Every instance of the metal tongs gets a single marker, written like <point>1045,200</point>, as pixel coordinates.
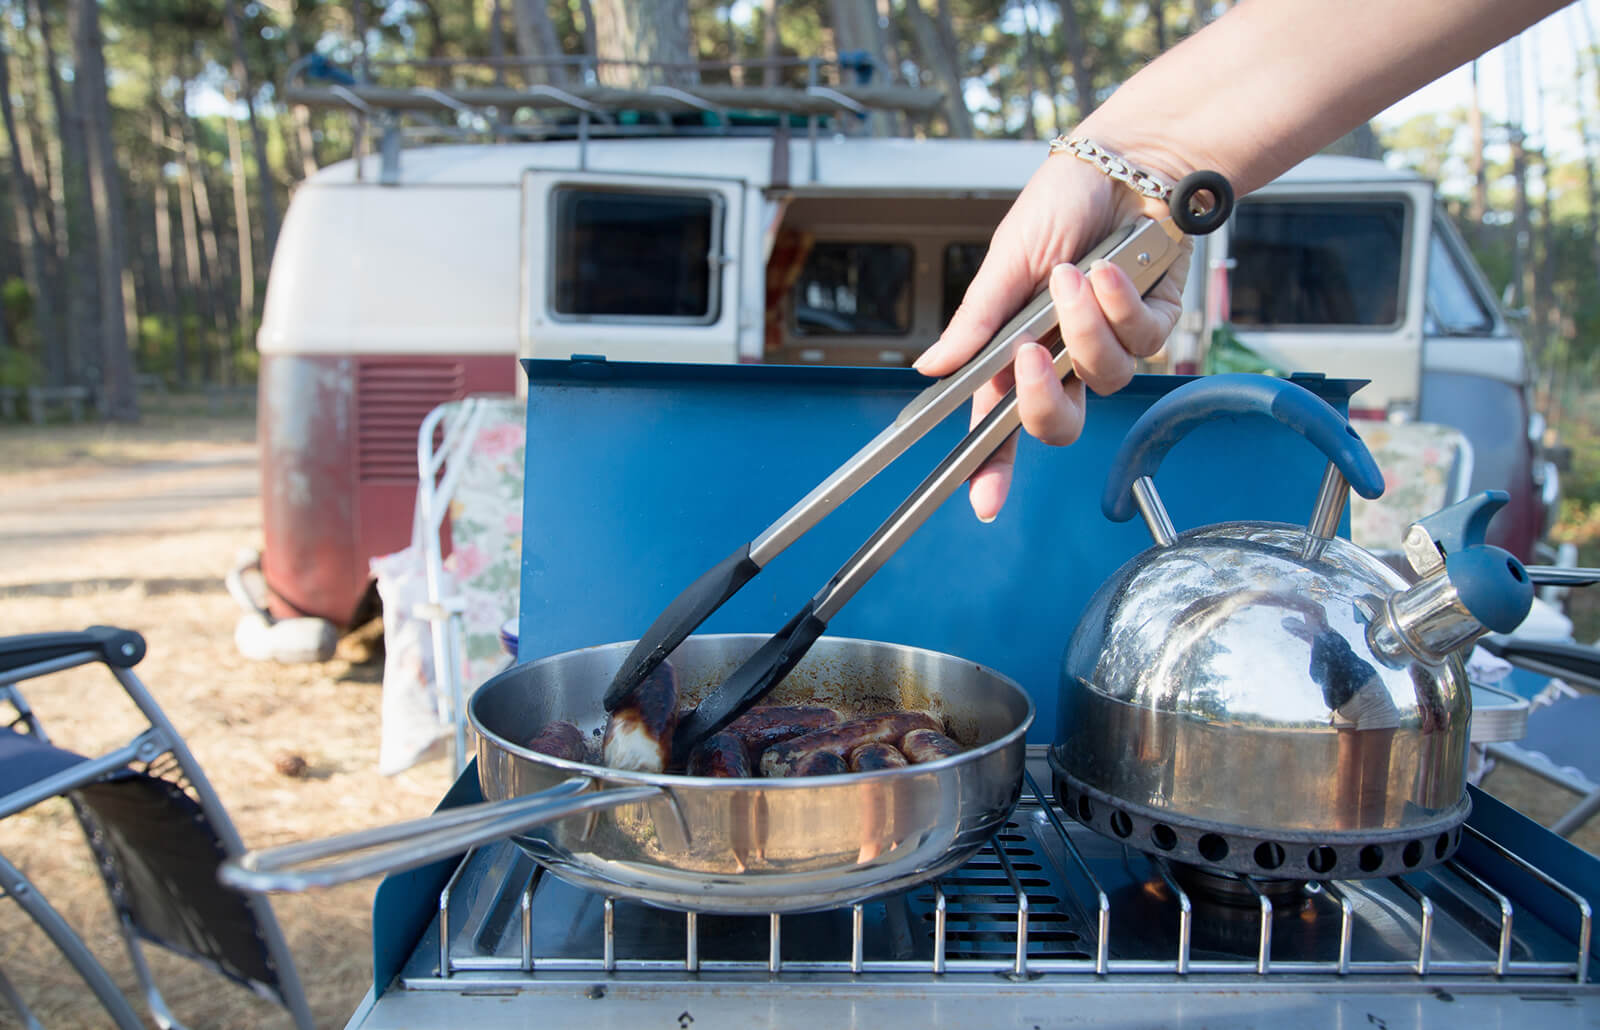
<point>1144,249</point>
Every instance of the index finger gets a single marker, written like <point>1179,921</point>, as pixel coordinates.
<point>1004,283</point>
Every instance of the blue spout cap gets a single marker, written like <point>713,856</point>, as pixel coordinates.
<point>1492,585</point>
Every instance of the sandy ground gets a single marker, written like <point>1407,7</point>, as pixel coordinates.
<point>137,530</point>
<point>87,538</point>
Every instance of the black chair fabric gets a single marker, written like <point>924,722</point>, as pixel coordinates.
<point>159,854</point>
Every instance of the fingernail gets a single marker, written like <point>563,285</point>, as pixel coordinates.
<point>1071,277</point>
<point>1103,263</point>
<point>922,359</point>
<point>988,520</point>
<point>1034,364</point>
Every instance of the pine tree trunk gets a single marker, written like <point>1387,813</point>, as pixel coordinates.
<point>302,139</point>
<point>649,33</point>
<point>76,238</point>
<point>1078,55</point>
<point>166,273</point>
<point>937,58</point>
<point>497,40</point>
<point>1038,77</point>
<point>241,225</point>
<point>536,41</point>
<point>1480,185</point>
<point>33,232</point>
<point>118,400</point>
<point>856,29</point>
<point>258,138</point>
<point>590,34</point>
<point>200,257</point>
<point>37,151</point>
<point>1158,22</point>
<point>195,296</point>
<point>214,280</point>
<point>769,41</point>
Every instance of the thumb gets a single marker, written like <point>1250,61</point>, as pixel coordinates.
<point>999,290</point>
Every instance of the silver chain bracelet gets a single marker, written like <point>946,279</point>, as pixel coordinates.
<point>1141,181</point>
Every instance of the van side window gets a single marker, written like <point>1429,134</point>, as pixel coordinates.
<point>625,254</point>
<point>1454,307</point>
<point>1317,263</point>
<point>961,261</point>
<point>854,289</point>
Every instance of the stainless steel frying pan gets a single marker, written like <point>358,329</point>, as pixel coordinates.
<point>711,845</point>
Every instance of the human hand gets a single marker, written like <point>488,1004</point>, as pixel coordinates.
<point>1065,210</point>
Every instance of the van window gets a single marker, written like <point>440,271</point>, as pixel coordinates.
<point>625,255</point>
<point>1317,263</point>
<point>1454,307</point>
<point>854,289</point>
<point>961,261</point>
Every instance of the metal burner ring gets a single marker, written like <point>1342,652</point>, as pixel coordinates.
<point>1266,854</point>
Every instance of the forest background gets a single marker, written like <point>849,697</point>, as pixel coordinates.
<point>150,153</point>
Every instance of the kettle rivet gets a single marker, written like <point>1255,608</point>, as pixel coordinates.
<point>1143,258</point>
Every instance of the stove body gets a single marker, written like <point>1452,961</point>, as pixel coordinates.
<point>641,476</point>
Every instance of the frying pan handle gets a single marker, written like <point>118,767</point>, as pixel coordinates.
<point>392,849</point>
<point>1221,396</point>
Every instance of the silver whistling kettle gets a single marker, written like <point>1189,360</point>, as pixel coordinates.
<point>1270,699</point>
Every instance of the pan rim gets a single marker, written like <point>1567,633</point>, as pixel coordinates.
<point>606,774</point>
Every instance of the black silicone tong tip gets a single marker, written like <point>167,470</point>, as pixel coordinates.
<point>686,612</point>
<point>750,682</point>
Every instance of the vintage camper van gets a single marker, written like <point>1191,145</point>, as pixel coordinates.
<point>419,275</point>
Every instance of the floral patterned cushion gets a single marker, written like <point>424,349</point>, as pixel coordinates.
<point>1422,464</point>
<point>486,535</point>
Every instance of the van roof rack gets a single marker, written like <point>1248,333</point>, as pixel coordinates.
<point>584,97</point>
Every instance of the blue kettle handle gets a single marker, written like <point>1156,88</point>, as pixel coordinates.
<point>1228,396</point>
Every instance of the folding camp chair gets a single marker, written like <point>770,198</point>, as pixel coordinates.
<point>157,832</point>
<point>1560,743</point>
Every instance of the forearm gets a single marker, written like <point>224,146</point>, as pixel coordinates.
<point>1274,81</point>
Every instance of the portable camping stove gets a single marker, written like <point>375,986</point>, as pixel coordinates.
<point>1052,923</point>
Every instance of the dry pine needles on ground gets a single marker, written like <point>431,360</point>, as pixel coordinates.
<point>291,749</point>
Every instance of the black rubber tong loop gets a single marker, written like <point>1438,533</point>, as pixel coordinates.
<point>1196,220</point>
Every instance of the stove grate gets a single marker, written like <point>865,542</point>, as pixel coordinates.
<point>1041,900</point>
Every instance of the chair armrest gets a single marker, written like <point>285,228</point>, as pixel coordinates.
<point>1548,657</point>
<point>119,648</point>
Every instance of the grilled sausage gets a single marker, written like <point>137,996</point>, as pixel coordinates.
<point>876,755</point>
<point>781,758</point>
<point>763,727</point>
<point>820,763</point>
<point>639,732</point>
<point>560,739</point>
<point>928,746</point>
<point>721,754</point>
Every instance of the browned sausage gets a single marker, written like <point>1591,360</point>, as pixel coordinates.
<point>721,754</point>
<point>639,733</point>
<point>876,755</point>
<point>560,740</point>
<point>928,746</point>
<point>820,763</point>
<point>840,740</point>
<point>763,727</point>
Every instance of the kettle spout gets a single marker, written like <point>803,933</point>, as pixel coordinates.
<point>1466,588</point>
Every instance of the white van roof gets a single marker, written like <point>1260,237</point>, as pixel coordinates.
<point>842,162</point>
<point>852,163</point>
